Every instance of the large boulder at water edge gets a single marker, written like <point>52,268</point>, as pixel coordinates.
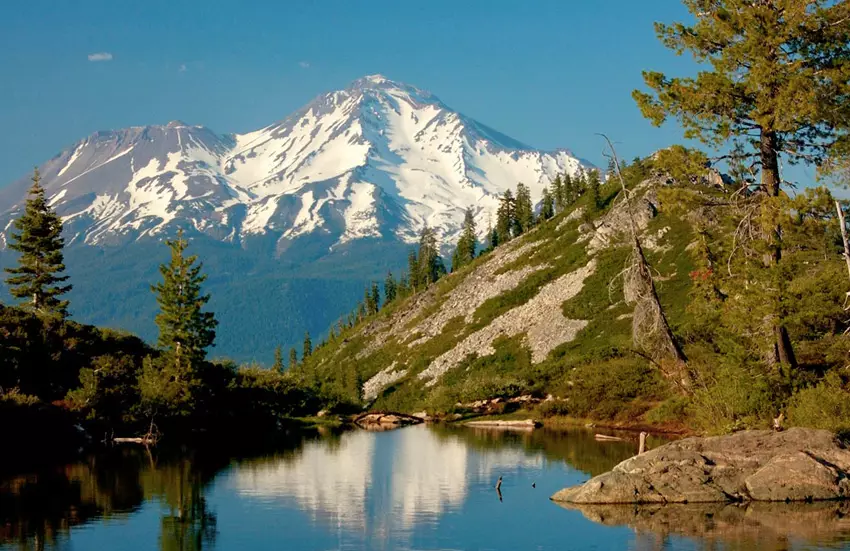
<point>793,465</point>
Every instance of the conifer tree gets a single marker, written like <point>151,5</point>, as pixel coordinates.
<point>185,330</point>
<point>466,244</point>
<point>390,288</point>
<point>430,266</point>
<point>523,210</point>
<point>308,346</point>
<point>375,297</point>
<point>775,83</point>
<point>593,185</point>
<point>413,271</point>
<point>547,207</point>
<point>278,360</point>
<point>38,239</point>
<point>569,194</point>
<point>505,217</point>
<point>558,193</point>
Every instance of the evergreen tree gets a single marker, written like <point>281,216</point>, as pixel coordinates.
<point>430,266</point>
<point>593,185</point>
<point>466,244</point>
<point>523,210</point>
<point>308,346</point>
<point>375,297</point>
<point>578,185</point>
<point>185,330</point>
<point>278,359</point>
<point>558,193</point>
<point>547,209</point>
<point>569,193</point>
<point>776,83</point>
<point>413,271</point>
<point>505,217</point>
<point>390,288</point>
<point>38,240</point>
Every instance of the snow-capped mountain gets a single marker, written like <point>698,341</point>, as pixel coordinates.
<point>378,159</point>
<point>290,220</point>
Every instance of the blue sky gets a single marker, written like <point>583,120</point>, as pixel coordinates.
<point>550,73</point>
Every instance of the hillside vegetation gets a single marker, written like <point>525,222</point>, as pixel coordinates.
<point>546,314</point>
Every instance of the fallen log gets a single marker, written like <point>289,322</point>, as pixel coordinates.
<point>607,438</point>
<point>525,424</point>
<point>145,441</point>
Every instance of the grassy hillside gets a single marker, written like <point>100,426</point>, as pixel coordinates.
<point>557,321</point>
<point>546,315</point>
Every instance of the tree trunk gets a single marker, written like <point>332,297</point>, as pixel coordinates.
<point>783,351</point>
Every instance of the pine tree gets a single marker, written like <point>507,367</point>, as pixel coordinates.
<point>390,288</point>
<point>308,346</point>
<point>185,330</point>
<point>558,193</point>
<point>569,194</point>
<point>593,184</point>
<point>278,359</point>
<point>523,210</point>
<point>430,266</point>
<point>38,240</point>
<point>505,217</point>
<point>466,244</point>
<point>375,298</point>
<point>547,209</point>
<point>413,271</point>
<point>776,82</point>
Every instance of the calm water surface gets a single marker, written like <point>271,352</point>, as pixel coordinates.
<point>415,488</point>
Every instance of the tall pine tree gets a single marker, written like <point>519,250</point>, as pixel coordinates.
<point>505,217</point>
<point>775,83</point>
<point>308,346</point>
<point>466,243</point>
<point>185,330</point>
<point>390,288</point>
<point>38,279</point>
<point>547,208</point>
<point>278,360</point>
<point>523,210</point>
<point>293,358</point>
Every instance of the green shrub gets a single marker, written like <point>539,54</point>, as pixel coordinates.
<point>824,406</point>
<point>733,397</point>
<point>554,408</point>
<point>617,388</point>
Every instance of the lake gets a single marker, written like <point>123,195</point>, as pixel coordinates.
<point>415,488</point>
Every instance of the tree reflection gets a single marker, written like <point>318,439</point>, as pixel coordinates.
<point>38,510</point>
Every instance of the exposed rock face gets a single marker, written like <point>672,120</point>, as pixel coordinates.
<point>380,380</point>
<point>381,421</point>
<point>540,318</point>
<point>794,465</point>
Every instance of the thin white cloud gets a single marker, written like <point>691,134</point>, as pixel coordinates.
<point>100,56</point>
<point>304,64</point>
<point>182,68</point>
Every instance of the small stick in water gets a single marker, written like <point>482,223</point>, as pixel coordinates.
<point>499,484</point>
<point>642,445</point>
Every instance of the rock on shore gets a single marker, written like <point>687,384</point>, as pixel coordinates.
<point>793,465</point>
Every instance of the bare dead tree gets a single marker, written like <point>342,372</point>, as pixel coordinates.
<point>650,329</point>
<point>843,226</point>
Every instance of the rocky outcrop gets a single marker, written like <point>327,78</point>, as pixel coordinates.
<point>793,465</point>
<point>541,318</point>
<point>381,420</point>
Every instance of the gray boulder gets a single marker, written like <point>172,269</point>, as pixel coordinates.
<point>793,465</point>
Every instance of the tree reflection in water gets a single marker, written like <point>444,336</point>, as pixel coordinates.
<point>37,511</point>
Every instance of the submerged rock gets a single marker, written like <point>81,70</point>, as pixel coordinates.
<point>794,465</point>
<point>381,421</point>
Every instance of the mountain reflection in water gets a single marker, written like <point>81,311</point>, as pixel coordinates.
<point>415,488</point>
